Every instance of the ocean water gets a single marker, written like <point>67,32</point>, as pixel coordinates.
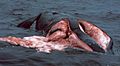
<point>103,13</point>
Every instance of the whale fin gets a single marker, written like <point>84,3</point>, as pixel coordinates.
<point>27,23</point>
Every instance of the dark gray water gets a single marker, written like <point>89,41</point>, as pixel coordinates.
<point>103,13</point>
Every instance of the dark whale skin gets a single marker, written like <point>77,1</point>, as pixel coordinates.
<point>45,20</point>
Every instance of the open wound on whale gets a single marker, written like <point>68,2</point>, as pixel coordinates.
<point>36,42</point>
<point>101,38</point>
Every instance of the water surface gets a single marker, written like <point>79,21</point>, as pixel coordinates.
<point>103,13</point>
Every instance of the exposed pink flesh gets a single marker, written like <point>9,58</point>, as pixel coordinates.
<point>58,41</point>
<point>63,26</point>
<point>96,33</point>
<point>66,31</point>
<point>76,42</point>
<point>35,42</point>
